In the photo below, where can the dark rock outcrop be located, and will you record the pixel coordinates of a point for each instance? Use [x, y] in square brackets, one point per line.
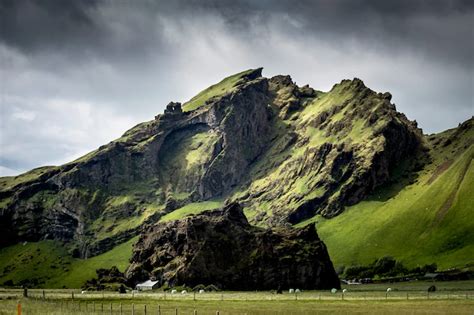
[222, 248]
[107, 279]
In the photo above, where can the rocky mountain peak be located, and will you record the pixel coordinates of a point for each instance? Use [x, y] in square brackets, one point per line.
[253, 74]
[284, 152]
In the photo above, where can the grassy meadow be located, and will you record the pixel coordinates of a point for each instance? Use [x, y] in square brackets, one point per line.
[450, 298]
[50, 263]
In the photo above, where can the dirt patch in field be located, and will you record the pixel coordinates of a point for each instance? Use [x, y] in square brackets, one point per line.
[449, 202]
[439, 170]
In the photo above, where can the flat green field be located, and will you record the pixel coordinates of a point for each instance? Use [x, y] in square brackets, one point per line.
[250, 303]
[250, 308]
[455, 297]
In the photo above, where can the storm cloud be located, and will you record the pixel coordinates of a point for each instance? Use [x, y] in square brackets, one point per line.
[77, 74]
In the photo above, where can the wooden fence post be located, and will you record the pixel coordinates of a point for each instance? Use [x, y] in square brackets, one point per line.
[18, 308]
[133, 308]
[145, 309]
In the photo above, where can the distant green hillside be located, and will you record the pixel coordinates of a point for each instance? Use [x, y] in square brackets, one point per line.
[430, 220]
[48, 264]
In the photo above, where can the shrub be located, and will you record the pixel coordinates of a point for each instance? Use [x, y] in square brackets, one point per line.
[340, 270]
[199, 287]
[385, 267]
[122, 289]
[212, 287]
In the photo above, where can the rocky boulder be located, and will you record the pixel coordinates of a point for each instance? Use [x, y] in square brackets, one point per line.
[222, 248]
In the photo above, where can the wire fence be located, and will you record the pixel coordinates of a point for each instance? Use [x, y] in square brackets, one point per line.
[161, 303]
[78, 296]
[84, 307]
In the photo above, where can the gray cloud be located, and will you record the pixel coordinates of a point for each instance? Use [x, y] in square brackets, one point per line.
[76, 74]
[33, 25]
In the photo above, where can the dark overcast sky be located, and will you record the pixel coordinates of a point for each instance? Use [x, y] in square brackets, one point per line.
[77, 74]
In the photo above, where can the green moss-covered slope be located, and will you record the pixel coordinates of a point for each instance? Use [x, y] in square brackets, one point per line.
[216, 90]
[428, 218]
[48, 264]
[330, 151]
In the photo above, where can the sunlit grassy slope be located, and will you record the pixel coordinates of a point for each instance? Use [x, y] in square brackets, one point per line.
[192, 208]
[51, 265]
[429, 220]
[9, 182]
[221, 88]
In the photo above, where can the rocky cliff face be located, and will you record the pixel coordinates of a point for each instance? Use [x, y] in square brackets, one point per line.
[331, 151]
[284, 152]
[223, 249]
[194, 155]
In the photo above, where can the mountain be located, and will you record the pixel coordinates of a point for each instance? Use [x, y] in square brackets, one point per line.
[289, 155]
[420, 217]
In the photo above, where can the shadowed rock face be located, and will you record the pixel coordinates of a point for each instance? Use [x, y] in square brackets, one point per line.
[222, 248]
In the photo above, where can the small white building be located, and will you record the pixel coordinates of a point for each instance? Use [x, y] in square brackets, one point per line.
[148, 285]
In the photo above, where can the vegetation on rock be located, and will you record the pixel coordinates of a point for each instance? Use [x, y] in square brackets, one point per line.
[223, 249]
[289, 155]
